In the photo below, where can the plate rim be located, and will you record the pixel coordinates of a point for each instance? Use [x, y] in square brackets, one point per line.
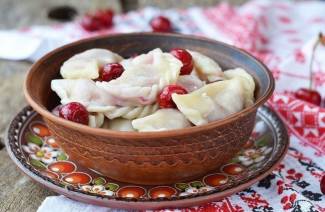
[151, 204]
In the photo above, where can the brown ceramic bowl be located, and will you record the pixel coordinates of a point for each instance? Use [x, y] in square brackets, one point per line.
[149, 157]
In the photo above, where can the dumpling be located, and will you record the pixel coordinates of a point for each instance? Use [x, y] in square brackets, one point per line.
[206, 68]
[163, 119]
[211, 102]
[83, 91]
[190, 82]
[216, 100]
[86, 64]
[131, 112]
[119, 124]
[144, 76]
[96, 120]
[97, 99]
[247, 82]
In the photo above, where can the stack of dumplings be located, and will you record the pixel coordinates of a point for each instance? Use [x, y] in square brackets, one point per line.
[129, 102]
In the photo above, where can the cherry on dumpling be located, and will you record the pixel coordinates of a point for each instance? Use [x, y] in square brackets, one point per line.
[186, 58]
[74, 111]
[111, 71]
[165, 96]
[161, 24]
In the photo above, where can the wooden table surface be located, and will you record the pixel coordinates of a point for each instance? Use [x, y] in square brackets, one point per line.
[18, 192]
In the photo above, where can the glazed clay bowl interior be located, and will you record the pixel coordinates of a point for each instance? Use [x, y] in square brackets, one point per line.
[149, 157]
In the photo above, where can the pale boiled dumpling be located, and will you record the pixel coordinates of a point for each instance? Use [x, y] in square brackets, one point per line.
[96, 120]
[85, 65]
[206, 68]
[190, 82]
[211, 102]
[247, 82]
[163, 119]
[215, 101]
[119, 124]
[144, 76]
[83, 91]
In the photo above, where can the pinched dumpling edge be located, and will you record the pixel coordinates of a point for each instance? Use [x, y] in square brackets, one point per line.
[162, 70]
[209, 102]
[86, 64]
[247, 82]
[162, 119]
[205, 70]
[205, 67]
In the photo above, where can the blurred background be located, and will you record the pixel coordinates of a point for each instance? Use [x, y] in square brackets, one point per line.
[14, 13]
[17, 14]
[280, 33]
[19, 17]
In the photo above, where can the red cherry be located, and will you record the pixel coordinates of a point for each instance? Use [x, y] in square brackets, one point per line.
[322, 184]
[91, 23]
[309, 95]
[186, 58]
[165, 96]
[74, 111]
[111, 71]
[161, 24]
[102, 19]
[105, 17]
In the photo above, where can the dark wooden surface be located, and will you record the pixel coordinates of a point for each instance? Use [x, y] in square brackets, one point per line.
[17, 192]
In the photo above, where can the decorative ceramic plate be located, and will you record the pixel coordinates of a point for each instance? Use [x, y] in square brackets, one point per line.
[35, 151]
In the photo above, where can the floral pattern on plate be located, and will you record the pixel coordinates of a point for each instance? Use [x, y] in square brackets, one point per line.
[42, 152]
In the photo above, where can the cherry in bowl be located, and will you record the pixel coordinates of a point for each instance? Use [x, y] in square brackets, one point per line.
[186, 58]
[164, 98]
[110, 71]
[74, 111]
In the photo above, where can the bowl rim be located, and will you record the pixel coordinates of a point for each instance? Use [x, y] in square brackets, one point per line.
[140, 135]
